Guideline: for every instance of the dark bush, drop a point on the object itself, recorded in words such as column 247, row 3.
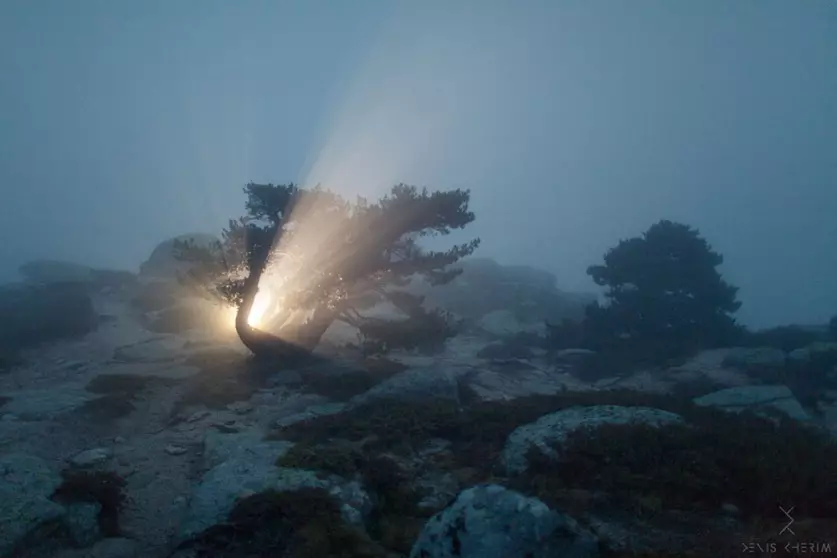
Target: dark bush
column 664, row 299
column 104, row 488
column 423, row 329
column 304, row 523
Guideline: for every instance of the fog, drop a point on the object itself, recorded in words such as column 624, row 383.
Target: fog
column 574, row 124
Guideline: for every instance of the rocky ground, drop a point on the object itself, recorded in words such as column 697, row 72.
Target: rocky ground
column 133, row 443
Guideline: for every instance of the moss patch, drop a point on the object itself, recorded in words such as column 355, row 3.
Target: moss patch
column 715, row 458
column 104, row 488
column 670, row 480
column 477, row 432
column 300, row 524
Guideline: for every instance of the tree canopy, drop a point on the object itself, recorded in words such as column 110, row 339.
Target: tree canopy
column 334, row 252
column 664, row 296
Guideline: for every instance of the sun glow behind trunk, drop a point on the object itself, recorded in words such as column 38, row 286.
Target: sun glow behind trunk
column 261, row 305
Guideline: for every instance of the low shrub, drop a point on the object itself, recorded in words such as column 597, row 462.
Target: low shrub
column 304, row 523
column 104, row 488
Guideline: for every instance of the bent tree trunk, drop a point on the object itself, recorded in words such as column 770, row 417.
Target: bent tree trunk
column 308, row 334
column 262, row 344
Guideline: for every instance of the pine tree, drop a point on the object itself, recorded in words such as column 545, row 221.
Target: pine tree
column 333, row 253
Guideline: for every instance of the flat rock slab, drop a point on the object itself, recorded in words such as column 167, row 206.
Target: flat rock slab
column 552, row 429
column 156, row 349
column 309, row 412
column 493, row 385
column 244, row 463
column 415, row 384
column 756, row 398
column 91, row 457
column 45, row 403
column 219, row 447
column 164, row 370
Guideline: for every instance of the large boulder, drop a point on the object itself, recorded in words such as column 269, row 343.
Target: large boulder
column 554, row 428
column 490, row 521
column 170, row 304
column 36, row 314
column 421, row 384
column 163, row 262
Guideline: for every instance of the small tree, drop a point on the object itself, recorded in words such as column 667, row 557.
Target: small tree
column 333, row 253
column 664, row 296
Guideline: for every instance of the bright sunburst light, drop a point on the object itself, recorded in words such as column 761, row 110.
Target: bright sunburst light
column 261, row 305
column 392, row 124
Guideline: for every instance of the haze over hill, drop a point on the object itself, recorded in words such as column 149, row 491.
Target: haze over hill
column 379, row 279
column 574, row 123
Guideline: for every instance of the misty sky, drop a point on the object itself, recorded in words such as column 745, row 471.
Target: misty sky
column 575, row 123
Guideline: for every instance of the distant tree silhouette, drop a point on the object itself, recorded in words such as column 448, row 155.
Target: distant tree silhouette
column 664, row 298
column 345, row 250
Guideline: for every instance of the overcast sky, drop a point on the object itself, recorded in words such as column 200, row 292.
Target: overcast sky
column 575, row 124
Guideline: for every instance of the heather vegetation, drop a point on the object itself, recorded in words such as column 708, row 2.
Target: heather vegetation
column 396, row 425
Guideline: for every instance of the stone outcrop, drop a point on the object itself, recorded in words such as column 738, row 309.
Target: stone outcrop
column 490, row 521
column 550, row 430
column 757, row 399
